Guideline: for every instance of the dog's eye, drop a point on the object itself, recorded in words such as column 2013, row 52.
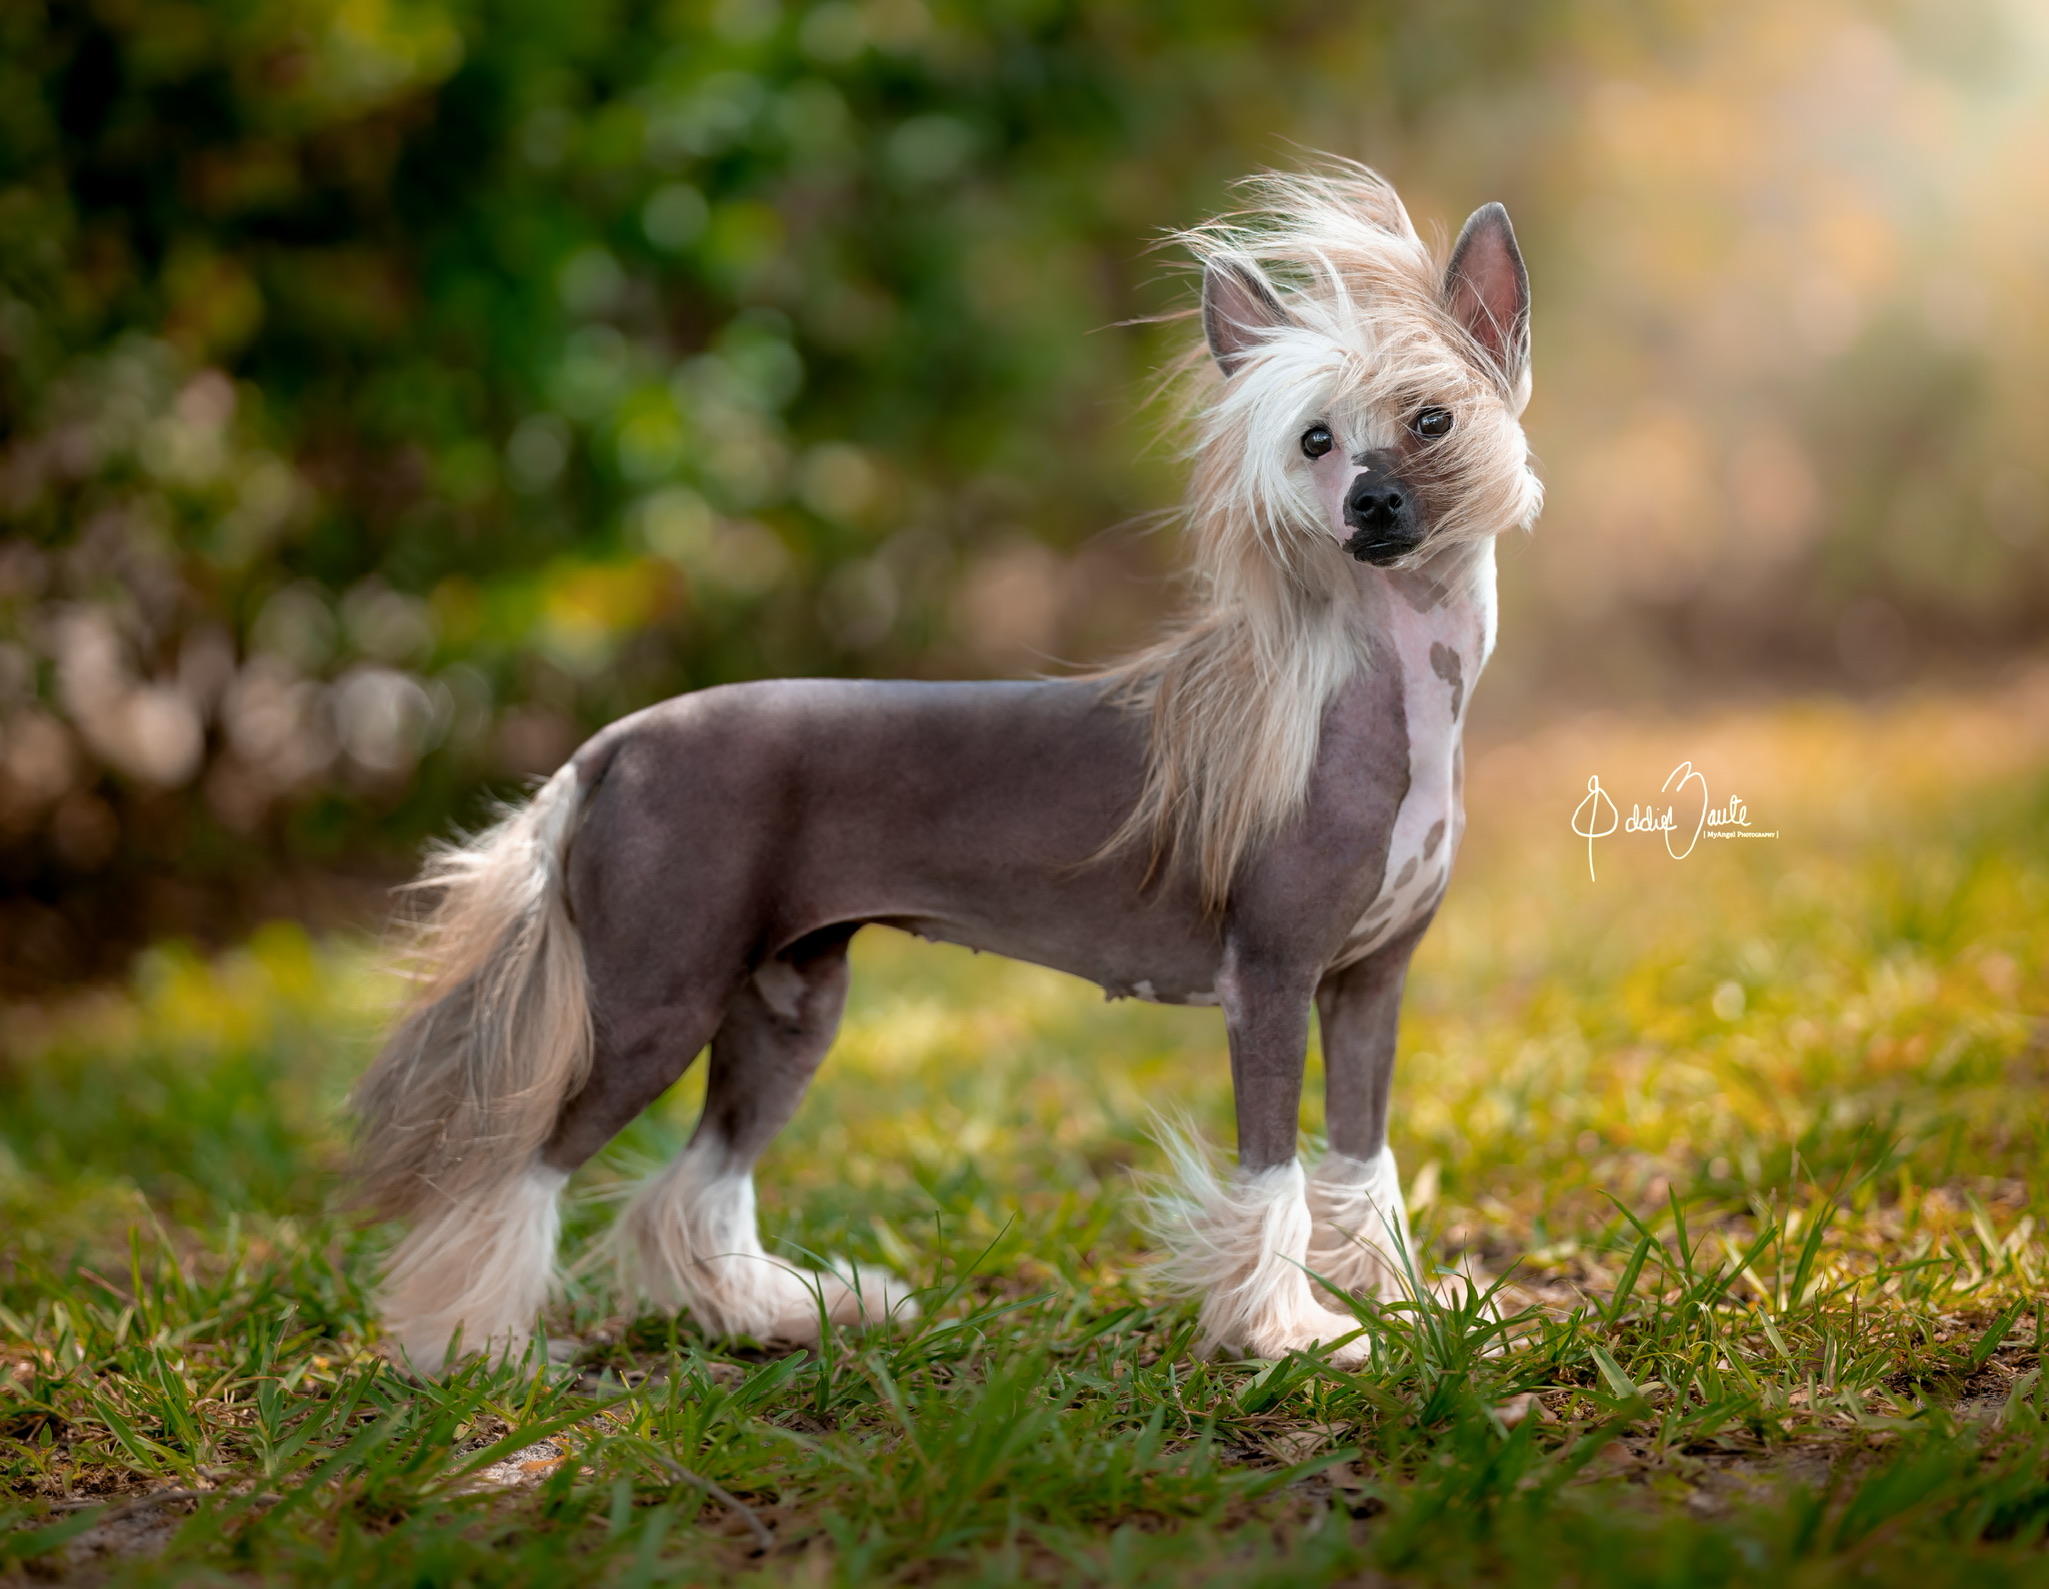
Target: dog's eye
column 1317, row 440
column 1431, row 423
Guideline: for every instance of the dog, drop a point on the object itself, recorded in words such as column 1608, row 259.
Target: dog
column 1259, row 811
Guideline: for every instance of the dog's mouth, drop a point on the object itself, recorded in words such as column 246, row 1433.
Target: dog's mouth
column 1380, row 549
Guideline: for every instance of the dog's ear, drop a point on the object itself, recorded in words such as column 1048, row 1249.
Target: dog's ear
column 1487, row 289
column 1237, row 307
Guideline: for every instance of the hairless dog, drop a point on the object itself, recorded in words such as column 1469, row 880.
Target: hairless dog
column 1258, row 812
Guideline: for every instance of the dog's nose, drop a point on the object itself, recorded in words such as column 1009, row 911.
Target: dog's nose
column 1382, row 512
column 1375, row 503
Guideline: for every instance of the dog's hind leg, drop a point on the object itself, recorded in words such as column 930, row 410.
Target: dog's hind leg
column 689, row 1238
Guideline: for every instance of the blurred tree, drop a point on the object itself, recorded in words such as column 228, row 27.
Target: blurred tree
column 393, row 390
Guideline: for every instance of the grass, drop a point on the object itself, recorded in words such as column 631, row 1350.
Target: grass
column 1754, row 1136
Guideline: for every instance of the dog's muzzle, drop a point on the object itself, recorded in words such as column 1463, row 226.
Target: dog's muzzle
column 1380, row 510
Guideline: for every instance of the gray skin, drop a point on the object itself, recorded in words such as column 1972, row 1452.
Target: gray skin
column 734, row 840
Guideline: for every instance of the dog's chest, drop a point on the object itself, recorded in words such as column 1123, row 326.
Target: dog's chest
column 1440, row 642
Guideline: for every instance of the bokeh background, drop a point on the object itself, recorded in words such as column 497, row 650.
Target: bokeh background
column 393, row 390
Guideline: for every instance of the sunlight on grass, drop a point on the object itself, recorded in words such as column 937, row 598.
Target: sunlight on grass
column 1755, row 1136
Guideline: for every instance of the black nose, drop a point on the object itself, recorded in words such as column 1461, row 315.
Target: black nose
column 1381, row 510
column 1375, row 503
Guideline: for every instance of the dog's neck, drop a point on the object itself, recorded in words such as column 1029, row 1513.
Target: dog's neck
column 1433, row 627
column 1453, row 589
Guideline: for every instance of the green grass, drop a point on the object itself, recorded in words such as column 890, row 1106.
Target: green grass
column 1754, row 1138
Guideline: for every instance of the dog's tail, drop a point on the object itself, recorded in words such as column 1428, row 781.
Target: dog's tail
column 453, row 1114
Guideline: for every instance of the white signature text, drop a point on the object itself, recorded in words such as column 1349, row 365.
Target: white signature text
column 1682, row 818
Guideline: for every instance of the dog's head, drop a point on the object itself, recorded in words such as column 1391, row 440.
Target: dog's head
column 1370, row 395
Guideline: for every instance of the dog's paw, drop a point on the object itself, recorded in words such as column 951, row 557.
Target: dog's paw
column 854, row 1295
column 1310, row 1332
column 1352, row 1268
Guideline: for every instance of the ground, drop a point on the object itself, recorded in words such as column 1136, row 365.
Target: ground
column 1753, row 1138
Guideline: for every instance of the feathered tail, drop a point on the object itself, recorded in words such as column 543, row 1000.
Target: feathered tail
column 454, row 1112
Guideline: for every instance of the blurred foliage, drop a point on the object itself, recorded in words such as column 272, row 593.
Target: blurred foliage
column 393, row 390
column 1796, row 323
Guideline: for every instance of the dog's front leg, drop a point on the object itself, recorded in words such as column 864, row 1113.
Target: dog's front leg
column 1243, row 1245
column 1361, row 1241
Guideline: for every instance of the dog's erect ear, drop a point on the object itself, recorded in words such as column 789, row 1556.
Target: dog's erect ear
column 1237, row 309
column 1487, row 289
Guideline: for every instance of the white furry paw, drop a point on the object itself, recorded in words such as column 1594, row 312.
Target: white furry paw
column 1310, row 1332
column 856, row 1295
column 1359, row 1244
column 1242, row 1246
column 689, row 1240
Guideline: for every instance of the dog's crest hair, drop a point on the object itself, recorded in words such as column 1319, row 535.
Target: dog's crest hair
column 1235, row 692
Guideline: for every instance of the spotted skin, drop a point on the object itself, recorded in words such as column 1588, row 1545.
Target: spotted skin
column 1441, row 629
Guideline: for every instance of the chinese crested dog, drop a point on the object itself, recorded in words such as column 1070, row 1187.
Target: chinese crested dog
column 1258, row 812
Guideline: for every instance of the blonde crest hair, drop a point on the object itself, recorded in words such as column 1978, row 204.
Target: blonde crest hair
column 1361, row 336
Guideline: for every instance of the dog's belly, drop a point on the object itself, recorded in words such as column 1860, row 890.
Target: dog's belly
column 1144, row 990
column 1156, row 967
